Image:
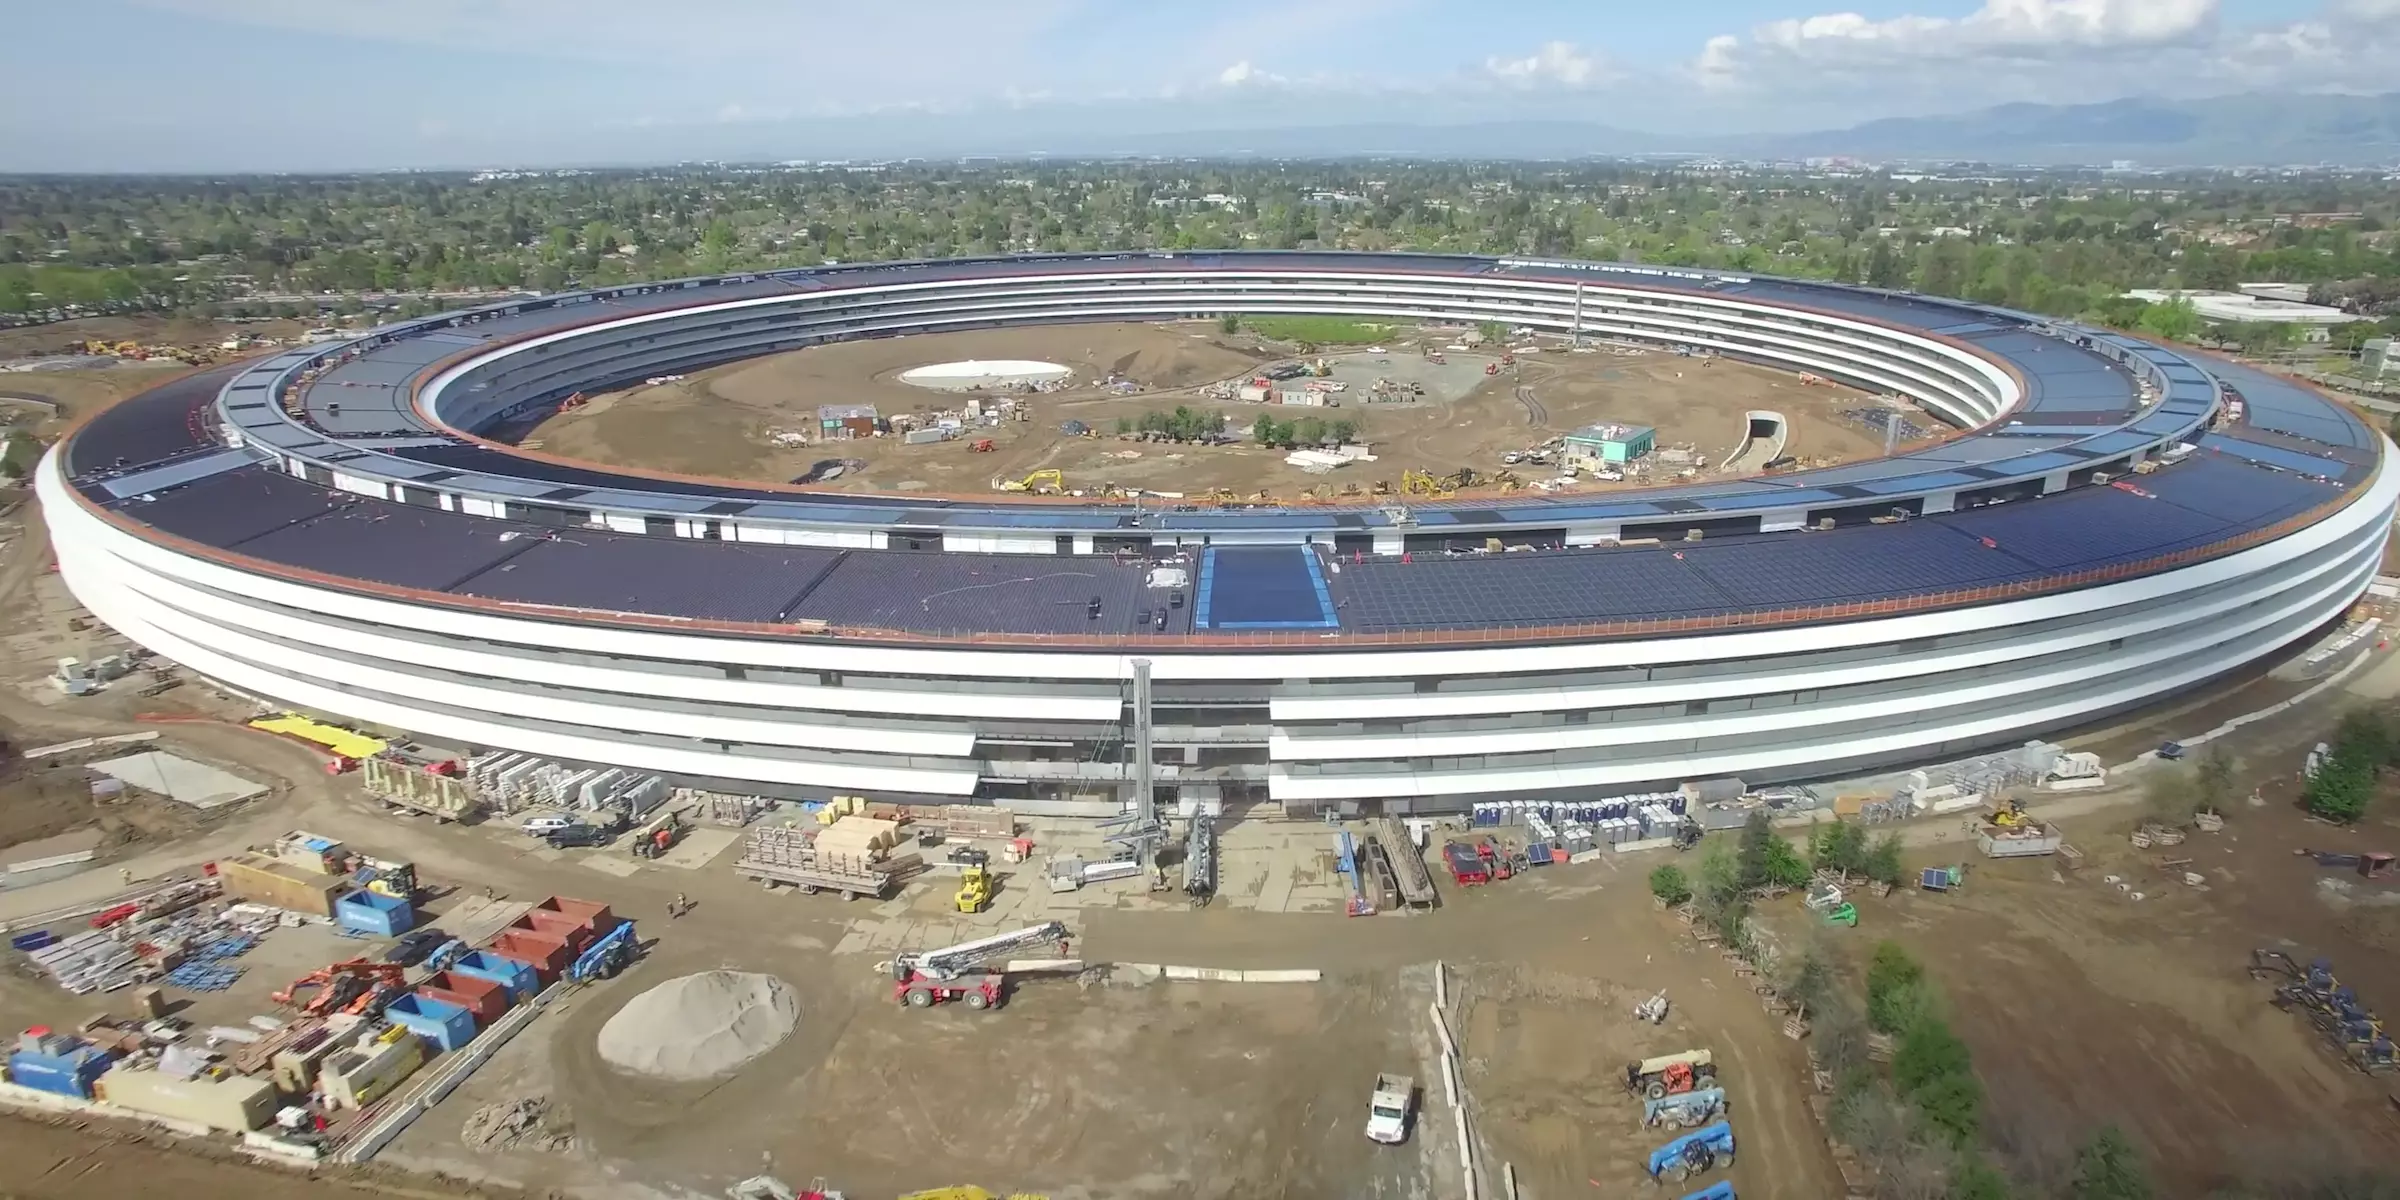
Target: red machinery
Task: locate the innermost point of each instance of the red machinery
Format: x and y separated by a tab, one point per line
1468	868
928	977
348	986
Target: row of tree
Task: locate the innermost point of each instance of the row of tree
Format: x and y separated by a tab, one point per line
1185	424
2058	242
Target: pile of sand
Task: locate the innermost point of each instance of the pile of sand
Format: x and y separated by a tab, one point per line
700	1026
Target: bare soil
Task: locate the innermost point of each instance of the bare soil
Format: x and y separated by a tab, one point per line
67	337
718	423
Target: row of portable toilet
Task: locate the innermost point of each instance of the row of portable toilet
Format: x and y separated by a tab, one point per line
1493	813
514	964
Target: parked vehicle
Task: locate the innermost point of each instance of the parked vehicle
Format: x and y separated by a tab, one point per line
546	824
1688	1110
1388	1108
1693	1154
1671	1074
578	835
414	946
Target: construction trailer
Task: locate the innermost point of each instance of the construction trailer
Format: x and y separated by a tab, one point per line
925	978
216	1098
2023	840
279	884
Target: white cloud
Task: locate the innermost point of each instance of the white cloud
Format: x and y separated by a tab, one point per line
1242	74
2061	51
1563	64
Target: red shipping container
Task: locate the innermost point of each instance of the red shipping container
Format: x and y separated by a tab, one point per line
547	955
558	925
486	999
591	914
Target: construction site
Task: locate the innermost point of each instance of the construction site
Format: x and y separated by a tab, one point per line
1174	411
1228	1013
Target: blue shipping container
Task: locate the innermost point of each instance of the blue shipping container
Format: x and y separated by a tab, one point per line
68	1074
375	913
517	977
446	1025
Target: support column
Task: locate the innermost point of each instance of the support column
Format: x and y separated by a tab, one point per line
1145	772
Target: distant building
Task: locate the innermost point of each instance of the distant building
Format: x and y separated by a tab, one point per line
2375	358
1608	445
839	421
2241	306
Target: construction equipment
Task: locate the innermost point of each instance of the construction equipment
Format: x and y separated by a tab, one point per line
928	977
1388	1108
1693	1154
974	889
1491	368
767	1187
605	957
1383	487
2371	864
981	446
346	986
2009	814
1844	914
1046	482
1690	1110
1720	1190
1672	1074
1653	1010
1414	482
385	877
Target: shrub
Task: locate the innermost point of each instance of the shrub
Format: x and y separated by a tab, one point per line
1669	884
1893	980
2108	1168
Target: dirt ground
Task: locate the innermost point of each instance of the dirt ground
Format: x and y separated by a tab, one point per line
719	422
67	337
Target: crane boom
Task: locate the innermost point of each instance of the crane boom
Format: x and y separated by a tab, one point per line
951	961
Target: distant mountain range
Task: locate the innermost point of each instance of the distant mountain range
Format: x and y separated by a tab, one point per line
2249	130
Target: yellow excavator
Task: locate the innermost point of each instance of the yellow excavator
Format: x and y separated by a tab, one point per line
1414	482
1047	481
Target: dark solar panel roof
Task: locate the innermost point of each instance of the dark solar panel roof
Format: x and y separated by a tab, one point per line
997	593
624	573
160	423
227	510
396	544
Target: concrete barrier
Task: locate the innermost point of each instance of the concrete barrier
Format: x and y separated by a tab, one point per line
114	739
1216	974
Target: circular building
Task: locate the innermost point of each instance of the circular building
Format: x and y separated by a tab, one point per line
333	528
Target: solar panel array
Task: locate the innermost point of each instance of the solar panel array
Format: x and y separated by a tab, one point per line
624	573
230	509
1262	587
933	592
165	421
395	544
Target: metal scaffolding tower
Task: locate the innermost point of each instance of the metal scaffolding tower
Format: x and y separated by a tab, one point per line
1138	830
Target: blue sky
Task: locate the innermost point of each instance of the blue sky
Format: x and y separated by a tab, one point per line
352	84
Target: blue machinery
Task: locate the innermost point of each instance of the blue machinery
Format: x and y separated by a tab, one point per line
1693	1154
604	958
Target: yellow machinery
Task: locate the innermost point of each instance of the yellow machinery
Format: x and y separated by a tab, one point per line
1383	487
1046	481
1223	495
1320	369
974	889
968	1192
2010	814
1508	481
1351	491
1414	482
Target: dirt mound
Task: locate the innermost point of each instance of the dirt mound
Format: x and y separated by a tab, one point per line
700	1026
520	1124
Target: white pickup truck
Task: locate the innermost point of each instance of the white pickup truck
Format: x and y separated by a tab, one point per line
1388	1109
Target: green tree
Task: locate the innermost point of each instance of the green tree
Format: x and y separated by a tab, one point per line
1262	430
1751	859
2108	1168
2215	779
1978	1180
1230	323
1668	883
1882	862
1837	846
1785	867
1951	1102
2175	320
1342	430
1928	1052
1308	431
1893	976
2340	789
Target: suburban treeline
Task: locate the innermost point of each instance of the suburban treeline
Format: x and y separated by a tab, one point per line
2063	242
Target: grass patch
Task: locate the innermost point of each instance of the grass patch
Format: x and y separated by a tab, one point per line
1324	331
18	455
